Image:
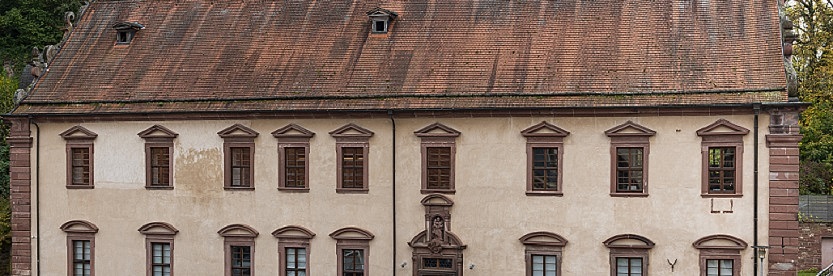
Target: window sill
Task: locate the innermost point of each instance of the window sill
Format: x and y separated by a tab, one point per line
80	186
293	190
628	194
544	193
437	191
351	191
721	195
159	187
239	188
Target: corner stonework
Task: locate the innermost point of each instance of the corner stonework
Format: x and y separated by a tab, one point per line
783	191
20	149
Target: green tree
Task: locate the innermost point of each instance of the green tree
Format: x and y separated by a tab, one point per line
30	23
813	62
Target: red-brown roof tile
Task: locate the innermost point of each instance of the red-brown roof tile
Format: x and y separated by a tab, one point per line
320	55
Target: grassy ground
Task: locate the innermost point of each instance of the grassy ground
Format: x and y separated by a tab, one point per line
807	274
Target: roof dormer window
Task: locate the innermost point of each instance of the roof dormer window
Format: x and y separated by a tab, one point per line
380	20
125	31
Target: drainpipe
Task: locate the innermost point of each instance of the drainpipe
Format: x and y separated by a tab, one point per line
37	193
757	108
393	186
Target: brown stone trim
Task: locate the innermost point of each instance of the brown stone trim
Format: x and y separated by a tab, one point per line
164	233
720	254
543	238
238	235
292	237
783	193
79	230
352	135
352	238
282	165
629	135
629	253
238	136
614	242
158	136
628	245
711	139
437	135
738	244
80	144
20	144
544	135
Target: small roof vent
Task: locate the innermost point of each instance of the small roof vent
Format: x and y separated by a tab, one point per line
126	30
380	20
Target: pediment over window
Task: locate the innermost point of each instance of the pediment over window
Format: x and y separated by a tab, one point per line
380	12
79	226
352	233
437	130
722	127
720	242
238	230
78	133
451	241
436	200
351	130
543	238
544	129
630	128
629	241
293	232
158	228
292	131
238	131
157	131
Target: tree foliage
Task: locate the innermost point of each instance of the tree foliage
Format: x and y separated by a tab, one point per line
30	23
813	61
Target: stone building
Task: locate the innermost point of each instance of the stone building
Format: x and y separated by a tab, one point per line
538	137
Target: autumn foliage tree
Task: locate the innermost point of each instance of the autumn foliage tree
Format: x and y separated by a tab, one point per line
813	61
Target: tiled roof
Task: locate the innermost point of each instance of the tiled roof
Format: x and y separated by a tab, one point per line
311	55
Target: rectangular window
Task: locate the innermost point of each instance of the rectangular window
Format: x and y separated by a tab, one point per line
81	258
438	163
544	169
352	167
543	265
296	261
352	262
241	167
241	261
160	169
629	171
161	259
721	170
81	166
719	267
628	266
295	167
437	263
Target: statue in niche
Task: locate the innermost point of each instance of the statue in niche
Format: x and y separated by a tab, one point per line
437	235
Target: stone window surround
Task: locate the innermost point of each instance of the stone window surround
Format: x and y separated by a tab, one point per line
238	235
629	250
292	136
543	243
551	137
165	139
712	139
352	136
727	248
429	139
352	238
79	230
78	137
292	236
158	232
238	136
620	139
